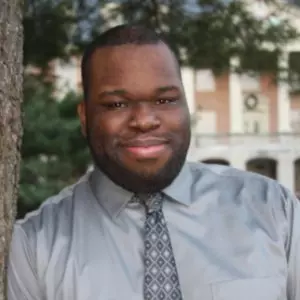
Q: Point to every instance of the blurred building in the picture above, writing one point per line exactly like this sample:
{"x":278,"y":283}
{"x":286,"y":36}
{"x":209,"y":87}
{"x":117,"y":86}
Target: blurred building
{"x":248,"y":122}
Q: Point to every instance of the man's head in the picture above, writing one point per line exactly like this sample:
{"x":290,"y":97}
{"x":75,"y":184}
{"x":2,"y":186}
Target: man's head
{"x":134,"y":115}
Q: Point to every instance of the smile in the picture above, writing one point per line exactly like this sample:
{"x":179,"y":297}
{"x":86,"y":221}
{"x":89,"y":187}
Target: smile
{"x":147,"y":148}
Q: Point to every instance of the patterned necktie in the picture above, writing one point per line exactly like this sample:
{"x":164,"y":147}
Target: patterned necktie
{"x":161,"y":280}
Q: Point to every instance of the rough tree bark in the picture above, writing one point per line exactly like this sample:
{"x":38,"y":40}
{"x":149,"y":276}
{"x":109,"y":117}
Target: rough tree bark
{"x":11,"y":85}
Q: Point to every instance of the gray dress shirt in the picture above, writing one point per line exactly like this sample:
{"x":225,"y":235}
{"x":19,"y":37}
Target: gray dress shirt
{"x":235,"y":236}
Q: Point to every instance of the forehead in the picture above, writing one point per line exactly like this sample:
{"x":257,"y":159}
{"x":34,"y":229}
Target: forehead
{"x":133,"y":65}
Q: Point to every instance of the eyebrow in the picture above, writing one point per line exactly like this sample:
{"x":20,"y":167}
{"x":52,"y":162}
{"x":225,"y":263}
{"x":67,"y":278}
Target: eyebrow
{"x":118,"y":92}
{"x":168,"y":88}
{"x":122,"y":92}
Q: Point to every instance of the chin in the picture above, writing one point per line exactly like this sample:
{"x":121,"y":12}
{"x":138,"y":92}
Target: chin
{"x":141,"y":176}
{"x":147,"y":174}
{"x":151,"y":169}
{"x":153,"y":179}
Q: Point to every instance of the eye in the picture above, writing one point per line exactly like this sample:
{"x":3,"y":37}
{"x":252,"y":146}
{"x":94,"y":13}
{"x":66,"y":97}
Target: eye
{"x":166,"y":100}
{"x":115,"y":105}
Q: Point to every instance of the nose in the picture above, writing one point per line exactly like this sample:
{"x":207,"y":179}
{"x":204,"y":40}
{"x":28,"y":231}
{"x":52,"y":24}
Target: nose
{"x":144,"y":118}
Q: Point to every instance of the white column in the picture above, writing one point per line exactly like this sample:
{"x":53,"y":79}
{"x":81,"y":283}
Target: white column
{"x":286,"y":171}
{"x":235,"y":99}
{"x":188,"y":81}
{"x":283,"y":101}
{"x":237,"y":159}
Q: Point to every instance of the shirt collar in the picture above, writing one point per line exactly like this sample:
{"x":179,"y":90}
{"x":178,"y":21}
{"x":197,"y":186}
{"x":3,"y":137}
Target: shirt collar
{"x":114,"y":198}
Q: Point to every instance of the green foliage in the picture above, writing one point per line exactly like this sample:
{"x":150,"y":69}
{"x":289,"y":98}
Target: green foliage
{"x":209,"y":31}
{"x":225,"y":30}
{"x":54,"y":154}
{"x":57,"y":28}
{"x":46,"y":32}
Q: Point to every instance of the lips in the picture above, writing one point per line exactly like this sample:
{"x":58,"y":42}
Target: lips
{"x":146,"y":148}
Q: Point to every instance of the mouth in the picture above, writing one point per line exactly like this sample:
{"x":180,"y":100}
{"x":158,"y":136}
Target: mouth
{"x":147,"y":148}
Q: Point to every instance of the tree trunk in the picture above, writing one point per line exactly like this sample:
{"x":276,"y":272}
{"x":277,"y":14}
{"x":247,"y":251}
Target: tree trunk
{"x":11,"y":86}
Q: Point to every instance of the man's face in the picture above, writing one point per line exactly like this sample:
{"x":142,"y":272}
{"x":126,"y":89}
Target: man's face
{"x":135,"y":117}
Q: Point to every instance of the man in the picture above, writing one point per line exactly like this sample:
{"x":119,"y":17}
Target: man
{"x":145,"y":224}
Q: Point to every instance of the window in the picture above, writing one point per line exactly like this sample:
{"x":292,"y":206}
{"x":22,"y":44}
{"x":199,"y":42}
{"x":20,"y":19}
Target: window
{"x":252,"y":126}
{"x":206,"y":122}
{"x":295,"y":120}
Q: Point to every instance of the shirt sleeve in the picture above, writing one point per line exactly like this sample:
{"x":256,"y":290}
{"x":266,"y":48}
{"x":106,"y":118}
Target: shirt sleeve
{"x":292,"y":210}
{"x":22,"y":282}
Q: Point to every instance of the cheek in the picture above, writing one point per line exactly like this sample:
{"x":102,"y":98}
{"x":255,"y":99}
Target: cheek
{"x":178,"y":122}
{"x":108,"y":123}
{"x":102,"y":135}
{"x":185,"y":119}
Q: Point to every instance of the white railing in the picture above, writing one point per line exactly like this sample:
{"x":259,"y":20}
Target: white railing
{"x":291,"y":140}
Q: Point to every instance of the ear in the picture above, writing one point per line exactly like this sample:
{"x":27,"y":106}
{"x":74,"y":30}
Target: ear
{"x":81,"y":110}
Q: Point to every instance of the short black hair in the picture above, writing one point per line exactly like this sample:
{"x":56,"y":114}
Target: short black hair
{"x":117,"y":36}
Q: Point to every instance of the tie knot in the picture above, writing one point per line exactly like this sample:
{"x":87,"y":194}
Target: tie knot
{"x":152,"y":202}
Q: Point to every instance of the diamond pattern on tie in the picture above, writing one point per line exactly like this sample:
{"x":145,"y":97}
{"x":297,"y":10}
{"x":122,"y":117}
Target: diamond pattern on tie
{"x":161,"y":280}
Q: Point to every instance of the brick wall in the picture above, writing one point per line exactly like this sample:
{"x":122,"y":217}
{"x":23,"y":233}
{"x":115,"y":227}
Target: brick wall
{"x":217,"y":101}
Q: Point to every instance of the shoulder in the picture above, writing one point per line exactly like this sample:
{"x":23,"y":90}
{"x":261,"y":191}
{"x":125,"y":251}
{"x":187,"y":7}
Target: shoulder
{"x":54,"y":209}
{"x":48,"y":229}
{"x":233,"y":177}
{"x":239,"y":186}
{"x":258,"y":196}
